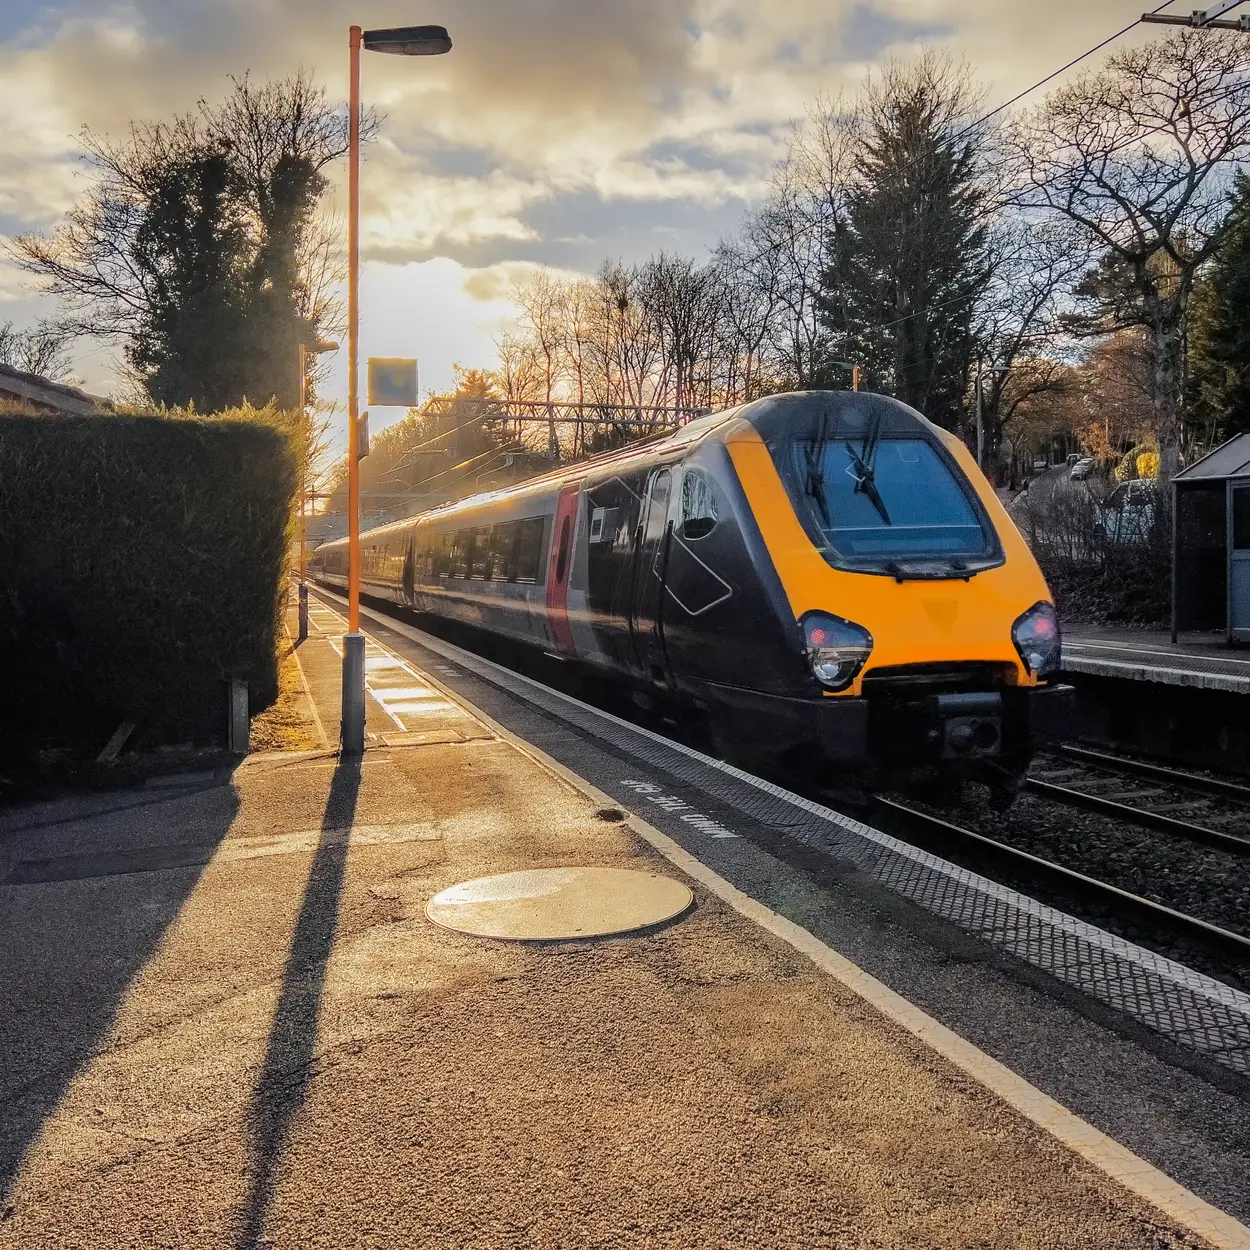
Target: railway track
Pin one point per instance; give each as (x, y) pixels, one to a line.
(1202, 809)
(945, 838)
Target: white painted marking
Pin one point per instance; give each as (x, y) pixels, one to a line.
(1171, 655)
(678, 807)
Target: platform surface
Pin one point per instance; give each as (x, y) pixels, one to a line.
(228, 1023)
(1203, 661)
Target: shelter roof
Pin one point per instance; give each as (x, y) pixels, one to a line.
(1230, 459)
(44, 393)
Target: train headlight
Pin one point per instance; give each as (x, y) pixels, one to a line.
(836, 649)
(1037, 638)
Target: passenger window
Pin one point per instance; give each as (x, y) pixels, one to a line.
(500, 541)
(698, 506)
(481, 552)
(464, 553)
(528, 552)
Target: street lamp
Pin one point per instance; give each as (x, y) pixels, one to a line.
(400, 41)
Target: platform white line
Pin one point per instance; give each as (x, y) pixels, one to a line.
(1130, 1170)
(303, 681)
(1171, 655)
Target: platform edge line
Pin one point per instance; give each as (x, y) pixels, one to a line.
(1150, 960)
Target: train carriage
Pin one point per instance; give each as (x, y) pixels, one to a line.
(826, 575)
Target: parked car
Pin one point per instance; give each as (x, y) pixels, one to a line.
(1082, 469)
(1127, 515)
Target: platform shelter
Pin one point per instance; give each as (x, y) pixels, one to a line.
(1211, 543)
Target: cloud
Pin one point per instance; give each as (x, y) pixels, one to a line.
(557, 130)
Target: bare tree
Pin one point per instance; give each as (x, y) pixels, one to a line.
(1033, 266)
(42, 350)
(1139, 156)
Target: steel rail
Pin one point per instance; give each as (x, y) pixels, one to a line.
(1229, 842)
(936, 834)
(1157, 772)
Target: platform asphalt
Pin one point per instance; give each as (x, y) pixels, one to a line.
(229, 1024)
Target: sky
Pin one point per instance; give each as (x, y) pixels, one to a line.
(556, 132)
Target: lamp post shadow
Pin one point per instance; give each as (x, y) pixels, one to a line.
(282, 1085)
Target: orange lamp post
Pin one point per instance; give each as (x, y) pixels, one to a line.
(400, 41)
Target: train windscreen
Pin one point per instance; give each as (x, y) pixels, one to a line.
(892, 505)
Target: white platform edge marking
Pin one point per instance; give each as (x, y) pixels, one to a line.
(1108, 1155)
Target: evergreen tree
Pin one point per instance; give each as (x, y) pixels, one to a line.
(1220, 334)
(908, 256)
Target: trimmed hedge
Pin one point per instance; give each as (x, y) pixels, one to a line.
(141, 564)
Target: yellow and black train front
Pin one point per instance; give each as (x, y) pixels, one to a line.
(871, 604)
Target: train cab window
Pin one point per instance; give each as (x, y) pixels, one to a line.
(528, 553)
(481, 562)
(897, 506)
(698, 506)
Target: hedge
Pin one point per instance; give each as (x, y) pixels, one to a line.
(141, 562)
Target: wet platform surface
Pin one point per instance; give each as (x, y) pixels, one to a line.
(229, 1023)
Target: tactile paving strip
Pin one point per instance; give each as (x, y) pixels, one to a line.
(1184, 1005)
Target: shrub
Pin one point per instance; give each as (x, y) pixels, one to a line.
(1103, 562)
(141, 562)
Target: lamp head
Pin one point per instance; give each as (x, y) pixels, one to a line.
(408, 40)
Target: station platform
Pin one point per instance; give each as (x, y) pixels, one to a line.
(229, 1022)
(1200, 661)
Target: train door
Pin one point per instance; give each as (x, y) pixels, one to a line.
(1239, 563)
(647, 617)
(408, 577)
(558, 567)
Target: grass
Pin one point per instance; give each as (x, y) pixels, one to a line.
(287, 724)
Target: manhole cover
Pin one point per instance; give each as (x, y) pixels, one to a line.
(550, 904)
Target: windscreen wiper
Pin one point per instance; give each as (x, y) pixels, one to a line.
(816, 469)
(816, 485)
(862, 468)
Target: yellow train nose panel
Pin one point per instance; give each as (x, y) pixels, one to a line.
(911, 622)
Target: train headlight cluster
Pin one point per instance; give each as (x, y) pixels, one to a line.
(1036, 635)
(836, 649)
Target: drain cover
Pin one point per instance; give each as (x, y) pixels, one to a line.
(548, 904)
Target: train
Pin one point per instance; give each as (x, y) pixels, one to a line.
(824, 579)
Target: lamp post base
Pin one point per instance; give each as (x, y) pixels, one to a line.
(352, 731)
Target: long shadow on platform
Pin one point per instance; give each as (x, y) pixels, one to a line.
(76, 928)
(283, 1082)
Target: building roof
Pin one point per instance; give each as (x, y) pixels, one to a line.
(1230, 459)
(43, 392)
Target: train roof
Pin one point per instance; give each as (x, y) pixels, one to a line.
(772, 416)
